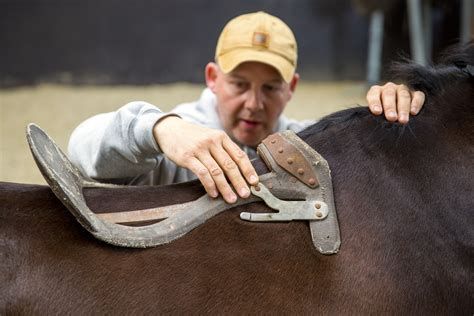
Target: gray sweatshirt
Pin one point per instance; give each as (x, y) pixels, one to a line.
(119, 147)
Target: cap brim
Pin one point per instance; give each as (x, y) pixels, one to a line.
(228, 61)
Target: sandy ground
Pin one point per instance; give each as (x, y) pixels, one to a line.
(58, 109)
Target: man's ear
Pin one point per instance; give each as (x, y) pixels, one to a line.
(211, 72)
(293, 83)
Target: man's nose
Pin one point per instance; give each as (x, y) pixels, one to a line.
(254, 101)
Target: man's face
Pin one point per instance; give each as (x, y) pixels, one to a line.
(249, 99)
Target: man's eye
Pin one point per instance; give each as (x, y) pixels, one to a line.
(269, 88)
(239, 84)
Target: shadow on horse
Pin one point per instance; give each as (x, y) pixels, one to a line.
(405, 203)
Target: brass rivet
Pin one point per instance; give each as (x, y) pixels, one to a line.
(317, 205)
(311, 181)
(300, 171)
(273, 141)
(257, 188)
(319, 214)
(289, 160)
(280, 150)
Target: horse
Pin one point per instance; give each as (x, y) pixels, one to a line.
(404, 198)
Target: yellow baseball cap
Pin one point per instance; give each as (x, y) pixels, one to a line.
(259, 37)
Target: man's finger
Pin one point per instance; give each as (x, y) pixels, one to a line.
(417, 102)
(389, 101)
(218, 176)
(242, 160)
(203, 175)
(373, 100)
(231, 170)
(403, 103)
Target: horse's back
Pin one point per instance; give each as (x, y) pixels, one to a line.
(227, 265)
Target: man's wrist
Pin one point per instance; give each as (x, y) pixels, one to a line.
(164, 125)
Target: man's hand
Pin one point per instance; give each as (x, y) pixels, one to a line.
(396, 101)
(210, 154)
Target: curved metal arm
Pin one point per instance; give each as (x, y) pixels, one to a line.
(288, 210)
(67, 184)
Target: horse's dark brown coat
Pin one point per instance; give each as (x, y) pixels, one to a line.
(405, 206)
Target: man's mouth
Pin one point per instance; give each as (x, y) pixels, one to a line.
(250, 124)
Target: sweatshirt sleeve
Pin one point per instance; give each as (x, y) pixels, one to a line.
(117, 145)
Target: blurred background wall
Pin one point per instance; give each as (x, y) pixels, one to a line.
(149, 41)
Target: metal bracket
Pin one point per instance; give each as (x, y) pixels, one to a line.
(287, 210)
(324, 233)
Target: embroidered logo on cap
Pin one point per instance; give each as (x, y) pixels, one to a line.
(260, 39)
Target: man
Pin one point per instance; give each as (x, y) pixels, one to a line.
(248, 86)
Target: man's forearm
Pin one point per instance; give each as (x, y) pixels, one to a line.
(118, 144)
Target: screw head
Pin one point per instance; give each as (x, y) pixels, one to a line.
(317, 206)
(319, 214)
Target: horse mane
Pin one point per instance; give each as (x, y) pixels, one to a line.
(448, 87)
(434, 80)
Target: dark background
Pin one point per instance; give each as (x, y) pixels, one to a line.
(162, 41)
